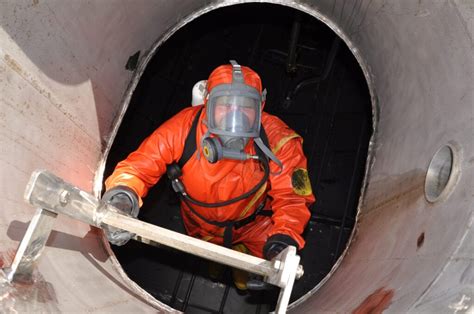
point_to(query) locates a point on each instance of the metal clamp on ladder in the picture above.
(54, 196)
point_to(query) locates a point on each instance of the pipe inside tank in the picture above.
(62, 83)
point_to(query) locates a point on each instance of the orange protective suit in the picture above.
(287, 193)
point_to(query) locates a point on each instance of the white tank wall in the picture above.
(63, 81)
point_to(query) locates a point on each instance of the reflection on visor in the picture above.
(235, 113)
(239, 101)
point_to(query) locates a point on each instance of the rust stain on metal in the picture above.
(34, 83)
(375, 303)
(407, 187)
(36, 295)
(13, 64)
(6, 258)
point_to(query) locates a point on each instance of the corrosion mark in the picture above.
(6, 257)
(35, 2)
(405, 189)
(420, 240)
(375, 303)
(13, 64)
(35, 295)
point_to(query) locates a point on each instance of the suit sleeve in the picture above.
(144, 167)
(290, 191)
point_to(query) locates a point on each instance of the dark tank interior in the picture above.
(314, 84)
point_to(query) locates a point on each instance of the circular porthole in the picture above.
(442, 173)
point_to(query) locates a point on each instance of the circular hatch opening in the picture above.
(315, 85)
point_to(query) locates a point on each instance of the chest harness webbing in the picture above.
(174, 173)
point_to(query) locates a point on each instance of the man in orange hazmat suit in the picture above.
(244, 182)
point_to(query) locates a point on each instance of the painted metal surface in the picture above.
(64, 89)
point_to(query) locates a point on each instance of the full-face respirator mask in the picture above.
(233, 117)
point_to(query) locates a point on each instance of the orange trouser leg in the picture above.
(254, 235)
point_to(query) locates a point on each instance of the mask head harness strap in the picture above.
(237, 76)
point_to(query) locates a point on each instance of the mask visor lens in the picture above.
(236, 114)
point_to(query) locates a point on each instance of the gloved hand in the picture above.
(274, 245)
(256, 283)
(126, 201)
(277, 243)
